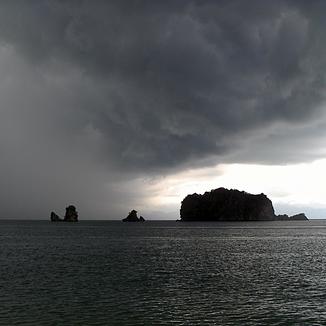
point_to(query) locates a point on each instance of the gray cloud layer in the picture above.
(94, 93)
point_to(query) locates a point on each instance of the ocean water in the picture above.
(163, 273)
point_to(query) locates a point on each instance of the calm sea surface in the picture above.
(163, 273)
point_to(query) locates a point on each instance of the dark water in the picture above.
(163, 273)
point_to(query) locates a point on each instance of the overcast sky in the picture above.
(120, 105)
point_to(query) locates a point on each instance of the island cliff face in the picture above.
(230, 205)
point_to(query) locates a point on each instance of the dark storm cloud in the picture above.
(180, 79)
(144, 86)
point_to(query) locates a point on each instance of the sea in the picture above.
(163, 273)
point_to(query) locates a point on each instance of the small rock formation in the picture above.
(70, 216)
(297, 217)
(230, 205)
(132, 217)
(55, 217)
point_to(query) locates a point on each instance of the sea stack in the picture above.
(70, 216)
(132, 217)
(55, 218)
(230, 205)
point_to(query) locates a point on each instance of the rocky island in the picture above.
(70, 216)
(231, 205)
(132, 217)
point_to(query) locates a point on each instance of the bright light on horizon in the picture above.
(301, 185)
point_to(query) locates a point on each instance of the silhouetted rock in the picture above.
(55, 217)
(132, 217)
(283, 217)
(70, 216)
(299, 217)
(230, 205)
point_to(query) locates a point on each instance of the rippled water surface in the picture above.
(163, 273)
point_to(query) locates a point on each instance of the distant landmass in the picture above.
(132, 217)
(231, 205)
(70, 216)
